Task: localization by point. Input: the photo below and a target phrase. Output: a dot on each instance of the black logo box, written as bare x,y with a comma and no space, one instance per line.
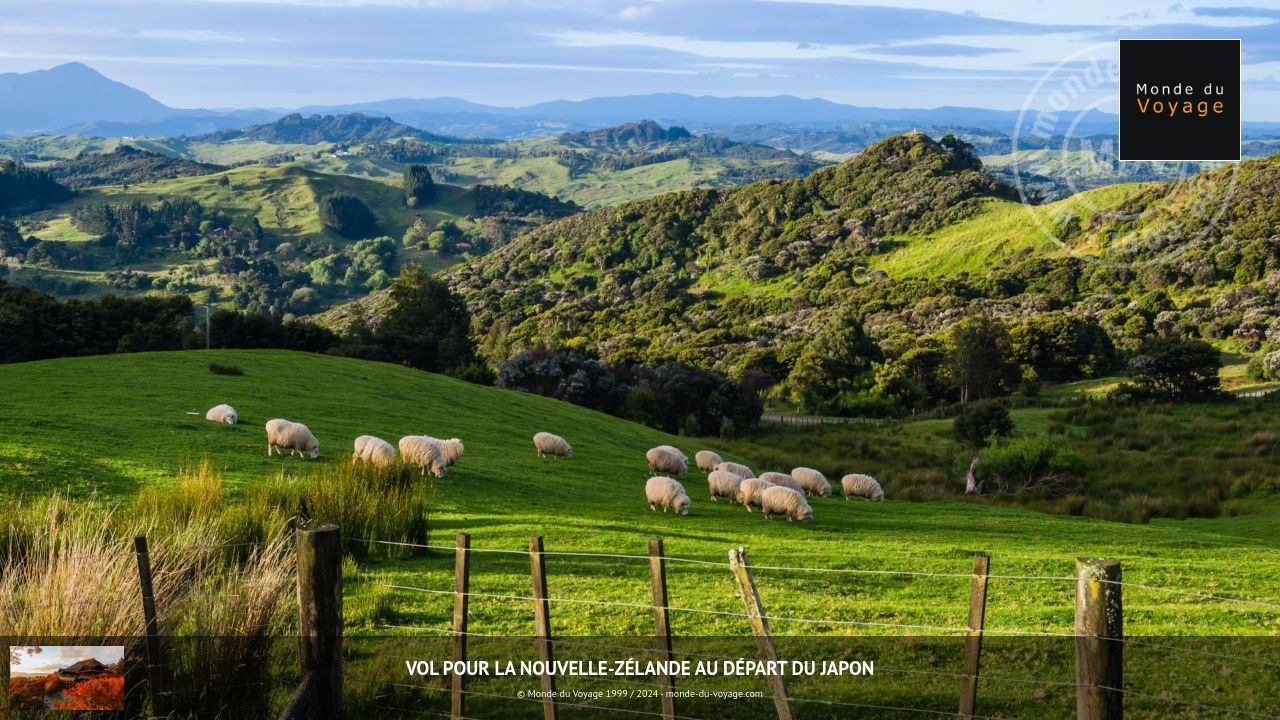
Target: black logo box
1180,65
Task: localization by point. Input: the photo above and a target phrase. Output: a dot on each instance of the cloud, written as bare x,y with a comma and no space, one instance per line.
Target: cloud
937,50
635,12
1238,11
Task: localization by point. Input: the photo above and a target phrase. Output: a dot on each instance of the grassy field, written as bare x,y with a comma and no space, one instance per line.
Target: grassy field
109,431
105,427
1003,229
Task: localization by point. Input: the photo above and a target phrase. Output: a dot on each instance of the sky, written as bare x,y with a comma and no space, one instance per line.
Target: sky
54,657
903,53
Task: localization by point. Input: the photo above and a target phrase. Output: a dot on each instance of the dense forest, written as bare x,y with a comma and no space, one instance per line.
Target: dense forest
25,189
127,165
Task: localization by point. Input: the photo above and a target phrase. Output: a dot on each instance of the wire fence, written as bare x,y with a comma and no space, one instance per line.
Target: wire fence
825,625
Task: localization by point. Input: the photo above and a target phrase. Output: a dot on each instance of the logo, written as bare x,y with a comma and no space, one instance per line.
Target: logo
1180,100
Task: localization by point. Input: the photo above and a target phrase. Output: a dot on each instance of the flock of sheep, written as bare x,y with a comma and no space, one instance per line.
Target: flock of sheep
775,493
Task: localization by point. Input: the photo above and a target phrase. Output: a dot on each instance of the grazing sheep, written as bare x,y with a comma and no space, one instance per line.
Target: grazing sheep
295,437
723,484
707,460
785,501
783,479
749,492
677,451
813,482
552,445
738,469
452,450
863,486
662,459
424,453
668,494
373,450
222,414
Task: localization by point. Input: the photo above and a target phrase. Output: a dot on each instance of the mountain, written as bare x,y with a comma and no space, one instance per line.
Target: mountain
702,112
348,128
911,237
70,94
654,277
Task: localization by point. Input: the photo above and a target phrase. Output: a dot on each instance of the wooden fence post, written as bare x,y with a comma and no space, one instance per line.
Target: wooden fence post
662,625
155,664
461,588
760,627
542,627
1099,640
320,617
973,635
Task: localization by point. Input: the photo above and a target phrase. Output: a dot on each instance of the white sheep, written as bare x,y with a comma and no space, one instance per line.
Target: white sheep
666,459
373,450
783,479
552,445
222,414
424,453
707,460
749,491
785,501
723,484
677,451
295,437
666,493
863,486
452,450
738,469
813,482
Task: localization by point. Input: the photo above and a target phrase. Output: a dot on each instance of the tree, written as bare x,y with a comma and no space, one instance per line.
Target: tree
839,353
980,358
418,186
428,326
974,427
347,215
1174,368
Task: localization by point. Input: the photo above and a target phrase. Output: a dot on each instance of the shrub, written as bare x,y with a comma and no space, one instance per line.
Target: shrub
1034,463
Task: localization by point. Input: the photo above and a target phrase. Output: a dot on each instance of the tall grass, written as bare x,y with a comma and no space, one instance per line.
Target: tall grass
369,503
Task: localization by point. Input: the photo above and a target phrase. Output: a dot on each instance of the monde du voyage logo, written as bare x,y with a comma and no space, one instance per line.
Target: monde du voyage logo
1179,100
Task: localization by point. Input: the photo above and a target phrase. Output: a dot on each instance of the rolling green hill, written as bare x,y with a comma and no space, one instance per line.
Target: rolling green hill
106,426
910,237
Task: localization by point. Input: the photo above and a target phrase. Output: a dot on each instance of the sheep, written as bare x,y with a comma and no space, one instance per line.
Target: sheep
749,491
452,450
663,459
863,486
783,479
738,469
785,501
666,493
424,453
295,437
222,414
723,484
813,482
676,451
707,460
552,445
373,450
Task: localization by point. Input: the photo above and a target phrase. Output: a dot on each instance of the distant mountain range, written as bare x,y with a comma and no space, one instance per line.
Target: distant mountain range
345,128
76,99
